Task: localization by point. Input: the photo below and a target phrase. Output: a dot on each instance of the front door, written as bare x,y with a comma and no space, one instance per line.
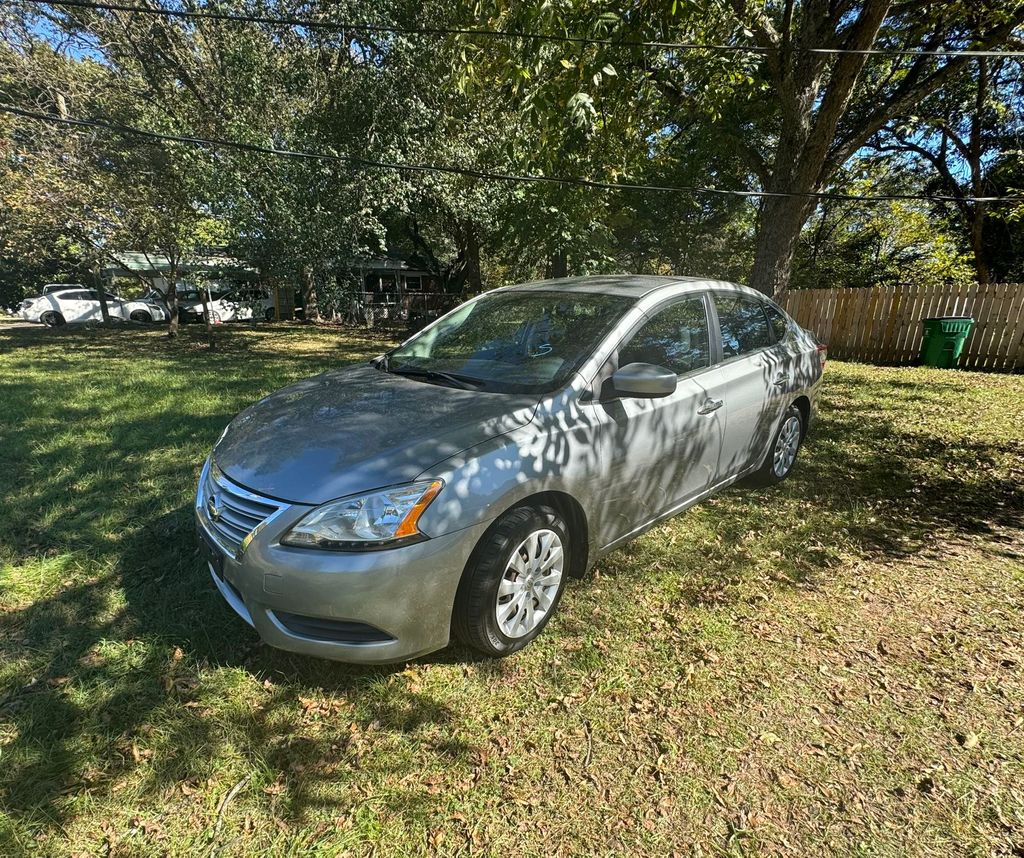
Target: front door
656,453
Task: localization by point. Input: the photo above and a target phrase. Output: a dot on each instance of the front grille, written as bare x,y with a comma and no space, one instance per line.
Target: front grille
336,631
234,512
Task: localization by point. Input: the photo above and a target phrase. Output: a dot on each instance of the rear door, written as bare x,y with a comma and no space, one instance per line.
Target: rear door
746,380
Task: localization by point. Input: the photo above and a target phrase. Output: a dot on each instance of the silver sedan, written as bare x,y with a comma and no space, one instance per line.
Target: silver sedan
451,485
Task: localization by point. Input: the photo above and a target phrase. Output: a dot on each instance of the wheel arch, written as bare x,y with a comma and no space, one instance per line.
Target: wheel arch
575,519
803,405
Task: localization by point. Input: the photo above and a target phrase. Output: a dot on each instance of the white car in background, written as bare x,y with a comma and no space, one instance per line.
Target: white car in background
78,304
239,305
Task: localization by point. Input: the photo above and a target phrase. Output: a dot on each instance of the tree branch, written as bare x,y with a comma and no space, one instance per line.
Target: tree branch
913,88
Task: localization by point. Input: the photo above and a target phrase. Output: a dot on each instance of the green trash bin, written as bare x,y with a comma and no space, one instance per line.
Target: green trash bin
944,340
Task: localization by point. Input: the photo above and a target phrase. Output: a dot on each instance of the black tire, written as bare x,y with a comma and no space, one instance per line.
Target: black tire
140,316
775,470
269,314
52,319
475,616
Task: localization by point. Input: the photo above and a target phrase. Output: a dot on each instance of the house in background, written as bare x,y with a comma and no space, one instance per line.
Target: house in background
394,287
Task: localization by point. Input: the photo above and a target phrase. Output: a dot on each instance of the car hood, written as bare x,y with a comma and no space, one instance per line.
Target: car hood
355,429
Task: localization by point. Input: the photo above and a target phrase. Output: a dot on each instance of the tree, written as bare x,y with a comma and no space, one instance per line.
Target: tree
955,134
826,107
796,114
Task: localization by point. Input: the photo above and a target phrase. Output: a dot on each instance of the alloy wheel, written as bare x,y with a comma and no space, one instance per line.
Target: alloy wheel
530,584
786,446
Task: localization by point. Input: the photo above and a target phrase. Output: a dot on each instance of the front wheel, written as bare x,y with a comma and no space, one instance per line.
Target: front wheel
784,448
513,582
140,316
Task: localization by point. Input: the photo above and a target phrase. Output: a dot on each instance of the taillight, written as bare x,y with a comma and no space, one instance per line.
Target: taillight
822,354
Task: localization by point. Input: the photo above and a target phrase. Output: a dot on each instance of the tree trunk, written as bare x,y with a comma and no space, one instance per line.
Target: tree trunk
101,293
204,294
312,312
778,230
473,279
977,226
172,300
558,264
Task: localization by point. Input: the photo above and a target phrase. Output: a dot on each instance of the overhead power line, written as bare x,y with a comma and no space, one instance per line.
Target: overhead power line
215,143
357,27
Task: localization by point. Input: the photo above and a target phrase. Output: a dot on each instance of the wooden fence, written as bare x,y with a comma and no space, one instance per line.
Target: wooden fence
882,325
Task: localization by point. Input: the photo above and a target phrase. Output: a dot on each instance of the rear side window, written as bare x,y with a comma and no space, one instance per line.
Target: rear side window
676,338
743,323
778,321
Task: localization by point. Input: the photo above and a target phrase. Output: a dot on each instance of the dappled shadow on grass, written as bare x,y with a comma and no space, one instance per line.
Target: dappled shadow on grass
113,676
99,481
919,482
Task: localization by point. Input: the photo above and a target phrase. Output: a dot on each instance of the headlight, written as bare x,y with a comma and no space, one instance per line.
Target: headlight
363,521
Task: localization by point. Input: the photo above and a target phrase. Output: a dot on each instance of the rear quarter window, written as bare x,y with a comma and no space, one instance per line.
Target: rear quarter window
778,321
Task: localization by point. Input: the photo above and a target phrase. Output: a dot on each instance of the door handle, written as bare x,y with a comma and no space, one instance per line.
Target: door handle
781,379
710,406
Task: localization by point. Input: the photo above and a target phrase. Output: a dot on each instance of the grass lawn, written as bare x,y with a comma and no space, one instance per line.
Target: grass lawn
834,666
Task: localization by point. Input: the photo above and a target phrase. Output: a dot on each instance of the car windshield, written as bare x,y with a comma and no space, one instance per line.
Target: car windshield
511,342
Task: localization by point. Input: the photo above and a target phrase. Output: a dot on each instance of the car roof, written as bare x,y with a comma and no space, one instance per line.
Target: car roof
629,285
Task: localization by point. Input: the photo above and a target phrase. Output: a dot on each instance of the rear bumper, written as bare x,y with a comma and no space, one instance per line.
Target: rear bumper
394,604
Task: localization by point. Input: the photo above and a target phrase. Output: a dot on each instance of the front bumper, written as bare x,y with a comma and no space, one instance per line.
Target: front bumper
307,601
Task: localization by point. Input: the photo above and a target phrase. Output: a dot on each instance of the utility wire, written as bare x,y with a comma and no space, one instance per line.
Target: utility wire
317,24
479,174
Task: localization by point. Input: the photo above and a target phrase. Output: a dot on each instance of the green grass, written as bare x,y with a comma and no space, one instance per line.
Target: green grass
833,666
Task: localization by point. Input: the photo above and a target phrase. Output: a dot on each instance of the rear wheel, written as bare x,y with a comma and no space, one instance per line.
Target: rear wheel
513,582
783,450
52,319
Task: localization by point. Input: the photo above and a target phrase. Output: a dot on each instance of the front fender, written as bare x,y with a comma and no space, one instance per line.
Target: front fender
484,481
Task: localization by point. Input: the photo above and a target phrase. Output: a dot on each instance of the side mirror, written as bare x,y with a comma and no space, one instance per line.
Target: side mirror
644,380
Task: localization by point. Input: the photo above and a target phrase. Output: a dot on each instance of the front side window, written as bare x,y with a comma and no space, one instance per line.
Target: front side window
512,342
676,338
743,323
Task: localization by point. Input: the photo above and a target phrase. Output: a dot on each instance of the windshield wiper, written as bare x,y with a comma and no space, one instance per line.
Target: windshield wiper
462,381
